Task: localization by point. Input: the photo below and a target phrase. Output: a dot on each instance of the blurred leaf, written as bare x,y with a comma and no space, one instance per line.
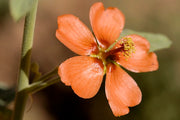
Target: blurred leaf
5,113
157,41
34,73
3,8
20,8
6,95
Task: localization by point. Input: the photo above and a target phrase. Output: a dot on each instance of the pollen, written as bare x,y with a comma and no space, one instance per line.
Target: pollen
128,47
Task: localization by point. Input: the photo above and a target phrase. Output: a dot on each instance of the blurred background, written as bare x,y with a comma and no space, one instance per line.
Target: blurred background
160,89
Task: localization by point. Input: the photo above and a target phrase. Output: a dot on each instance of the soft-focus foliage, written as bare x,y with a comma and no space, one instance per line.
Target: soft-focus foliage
6,95
3,7
20,8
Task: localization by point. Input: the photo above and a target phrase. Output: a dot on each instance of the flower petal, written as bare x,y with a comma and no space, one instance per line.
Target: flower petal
84,74
142,60
121,90
106,24
75,35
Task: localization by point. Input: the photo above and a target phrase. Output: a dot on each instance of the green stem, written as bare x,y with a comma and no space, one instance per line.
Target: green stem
37,86
20,103
48,75
23,81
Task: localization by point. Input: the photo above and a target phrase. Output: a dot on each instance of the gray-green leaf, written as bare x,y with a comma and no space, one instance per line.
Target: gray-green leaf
157,41
20,8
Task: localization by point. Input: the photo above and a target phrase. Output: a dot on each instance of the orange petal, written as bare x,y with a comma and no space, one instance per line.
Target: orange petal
83,73
75,35
142,60
107,24
121,90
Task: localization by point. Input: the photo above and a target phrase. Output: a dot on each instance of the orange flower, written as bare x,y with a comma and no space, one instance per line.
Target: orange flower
99,56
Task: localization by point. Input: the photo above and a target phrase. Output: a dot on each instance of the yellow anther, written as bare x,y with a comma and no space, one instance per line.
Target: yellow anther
128,47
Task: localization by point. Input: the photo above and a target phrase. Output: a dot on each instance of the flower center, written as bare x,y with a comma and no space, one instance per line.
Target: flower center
126,47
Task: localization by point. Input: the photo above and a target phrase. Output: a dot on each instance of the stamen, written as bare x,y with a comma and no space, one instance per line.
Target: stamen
128,47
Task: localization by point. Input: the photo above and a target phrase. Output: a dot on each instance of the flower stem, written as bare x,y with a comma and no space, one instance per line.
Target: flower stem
37,86
23,81
48,75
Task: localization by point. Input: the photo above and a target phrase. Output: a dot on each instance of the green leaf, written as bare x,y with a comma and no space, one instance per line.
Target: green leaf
20,8
157,41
